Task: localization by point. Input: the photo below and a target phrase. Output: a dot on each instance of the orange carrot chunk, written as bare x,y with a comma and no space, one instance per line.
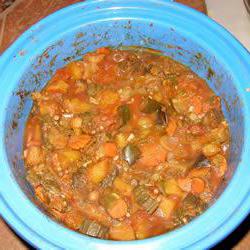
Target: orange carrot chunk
198,185
110,149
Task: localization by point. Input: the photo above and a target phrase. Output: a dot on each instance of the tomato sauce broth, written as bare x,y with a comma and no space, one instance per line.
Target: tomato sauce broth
125,144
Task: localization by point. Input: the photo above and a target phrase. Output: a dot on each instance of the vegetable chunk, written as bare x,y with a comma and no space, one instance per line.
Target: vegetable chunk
98,172
79,141
122,231
152,155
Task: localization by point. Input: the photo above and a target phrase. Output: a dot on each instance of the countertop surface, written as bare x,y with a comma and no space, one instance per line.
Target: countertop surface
17,15
233,15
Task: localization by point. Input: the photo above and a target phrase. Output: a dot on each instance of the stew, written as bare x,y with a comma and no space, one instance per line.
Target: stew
125,144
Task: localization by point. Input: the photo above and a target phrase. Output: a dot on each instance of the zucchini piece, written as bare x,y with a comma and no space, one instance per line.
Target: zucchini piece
191,207
131,153
109,199
123,187
151,106
50,185
171,187
166,207
108,181
115,205
145,200
94,229
124,114
150,205
79,178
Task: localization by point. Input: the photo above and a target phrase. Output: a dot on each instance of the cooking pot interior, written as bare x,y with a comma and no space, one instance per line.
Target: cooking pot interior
82,39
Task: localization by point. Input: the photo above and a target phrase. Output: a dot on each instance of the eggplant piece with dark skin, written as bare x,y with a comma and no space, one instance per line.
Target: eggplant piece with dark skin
124,114
94,229
162,117
131,153
150,106
145,200
202,161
